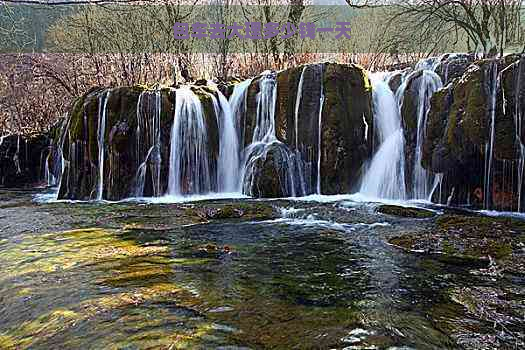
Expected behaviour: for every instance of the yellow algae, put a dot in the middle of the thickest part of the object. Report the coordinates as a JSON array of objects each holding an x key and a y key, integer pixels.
[
  {"x": 64, "y": 250},
  {"x": 366, "y": 80},
  {"x": 56, "y": 321},
  {"x": 107, "y": 254},
  {"x": 6, "y": 342},
  {"x": 23, "y": 292}
]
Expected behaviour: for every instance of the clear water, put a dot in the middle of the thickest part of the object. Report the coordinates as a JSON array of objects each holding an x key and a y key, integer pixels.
[{"x": 314, "y": 275}]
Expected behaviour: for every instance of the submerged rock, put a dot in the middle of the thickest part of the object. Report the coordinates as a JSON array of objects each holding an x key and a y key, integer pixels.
[{"x": 405, "y": 211}]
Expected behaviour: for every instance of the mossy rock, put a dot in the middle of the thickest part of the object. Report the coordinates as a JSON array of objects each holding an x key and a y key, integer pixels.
[
  {"x": 405, "y": 211},
  {"x": 407, "y": 242},
  {"x": 347, "y": 127}
]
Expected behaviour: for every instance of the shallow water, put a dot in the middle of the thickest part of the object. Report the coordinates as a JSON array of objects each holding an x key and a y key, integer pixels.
[{"x": 141, "y": 276}]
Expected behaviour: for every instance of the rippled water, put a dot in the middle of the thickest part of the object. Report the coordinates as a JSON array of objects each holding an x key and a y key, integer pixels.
[{"x": 141, "y": 276}]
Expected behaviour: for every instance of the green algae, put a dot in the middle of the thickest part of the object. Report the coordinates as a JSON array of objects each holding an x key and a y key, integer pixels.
[{"x": 405, "y": 211}]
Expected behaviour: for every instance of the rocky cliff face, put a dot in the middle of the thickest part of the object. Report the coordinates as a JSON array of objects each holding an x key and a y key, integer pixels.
[
  {"x": 304, "y": 130},
  {"x": 113, "y": 148},
  {"x": 326, "y": 107},
  {"x": 459, "y": 140}
]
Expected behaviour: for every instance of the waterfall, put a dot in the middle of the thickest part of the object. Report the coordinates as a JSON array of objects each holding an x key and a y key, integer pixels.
[
  {"x": 430, "y": 82},
  {"x": 297, "y": 105},
  {"x": 489, "y": 146},
  {"x": 385, "y": 175},
  {"x": 228, "y": 162},
  {"x": 238, "y": 108},
  {"x": 58, "y": 152},
  {"x": 518, "y": 125},
  {"x": 48, "y": 175},
  {"x": 264, "y": 140},
  {"x": 148, "y": 141},
  {"x": 102, "y": 109},
  {"x": 319, "y": 138},
  {"x": 298, "y": 159},
  {"x": 189, "y": 170},
  {"x": 266, "y": 99},
  {"x": 264, "y": 133}
]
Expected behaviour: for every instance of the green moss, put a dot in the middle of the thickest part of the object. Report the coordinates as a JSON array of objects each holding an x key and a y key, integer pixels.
[
  {"x": 366, "y": 81},
  {"x": 405, "y": 211},
  {"x": 495, "y": 249},
  {"x": 407, "y": 242}
]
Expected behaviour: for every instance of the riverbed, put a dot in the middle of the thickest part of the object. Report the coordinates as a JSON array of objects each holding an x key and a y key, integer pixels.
[{"x": 255, "y": 274}]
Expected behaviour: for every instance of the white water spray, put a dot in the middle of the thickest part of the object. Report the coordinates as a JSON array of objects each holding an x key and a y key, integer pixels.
[
  {"x": 102, "y": 110},
  {"x": 189, "y": 171},
  {"x": 385, "y": 176}
]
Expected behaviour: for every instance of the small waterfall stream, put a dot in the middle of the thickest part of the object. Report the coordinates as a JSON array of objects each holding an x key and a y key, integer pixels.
[
  {"x": 103, "y": 101},
  {"x": 297, "y": 105},
  {"x": 385, "y": 176},
  {"x": 264, "y": 132},
  {"x": 238, "y": 107},
  {"x": 189, "y": 170},
  {"x": 320, "y": 137},
  {"x": 430, "y": 82},
  {"x": 148, "y": 141},
  {"x": 493, "y": 86},
  {"x": 518, "y": 123},
  {"x": 228, "y": 162}
]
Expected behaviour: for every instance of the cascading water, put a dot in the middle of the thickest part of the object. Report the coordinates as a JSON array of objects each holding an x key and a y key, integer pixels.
[
  {"x": 189, "y": 171},
  {"x": 319, "y": 139},
  {"x": 266, "y": 99},
  {"x": 264, "y": 133},
  {"x": 493, "y": 86},
  {"x": 148, "y": 141},
  {"x": 102, "y": 105},
  {"x": 228, "y": 162},
  {"x": 238, "y": 107},
  {"x": 297, "y": 105},
  {"x": 299, "y": 162},
  {"x": 430, "y": 82},
  {"x": 264, "y": 140},
  {"x": 518, "y": 125},
  {"x": 385, "y": 176}
]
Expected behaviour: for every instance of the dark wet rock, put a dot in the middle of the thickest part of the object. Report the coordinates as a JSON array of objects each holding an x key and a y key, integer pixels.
[
  {"x": 214, "y": 251},
  {"x": 201, "y": 82},
  {"x": 346, "y": 140},
  {"x": 226, "y": 86},
  {"x": 499, "y": 308},
  {"x": 269, "y": 174},
  {"x": 244, "y": 211},
  {"x": 458, "y": 130},
  {"x": 226, "y": 212},
  {"x": 22, "y": 160},
  {"x": 347, "y": 123},
  {"x": 397, "y": 78},
  {"x": 122, "y": 154},
  {"x": 405, "y": 212},
  {"x": 453, "y": 66}
]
